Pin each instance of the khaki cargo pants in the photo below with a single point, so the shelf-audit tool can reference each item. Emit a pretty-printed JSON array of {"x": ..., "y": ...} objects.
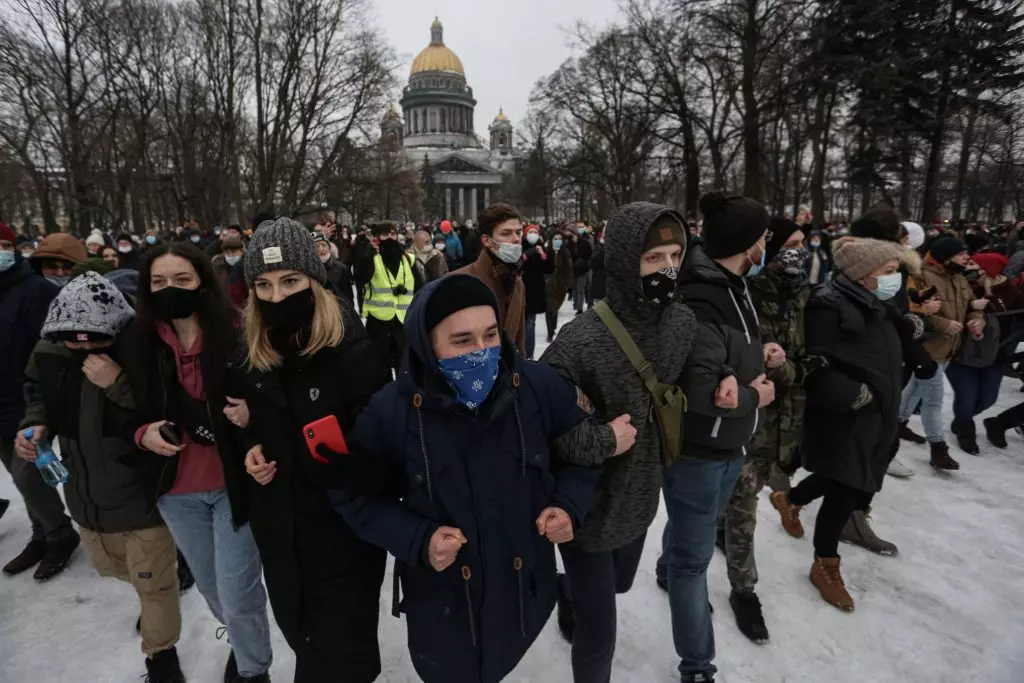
[{"x": 147, "y": 559}]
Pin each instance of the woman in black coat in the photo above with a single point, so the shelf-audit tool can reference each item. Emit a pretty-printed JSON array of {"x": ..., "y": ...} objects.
[
  {"x": 537, "y": 265},
  {"x": 309, "y": 364},
  {"x": 850, "y": 432}
]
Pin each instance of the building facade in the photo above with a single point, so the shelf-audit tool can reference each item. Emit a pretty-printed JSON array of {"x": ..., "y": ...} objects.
[{"x": 437, "y": 127}]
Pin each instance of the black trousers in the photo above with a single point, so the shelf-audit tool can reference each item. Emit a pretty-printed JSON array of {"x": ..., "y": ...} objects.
[
  {"x": 1011, "y": 417},
  {"x": 838, "y": 503},
  {"x": 594, "y": 579},
  {"x": 388, "y": 338}
]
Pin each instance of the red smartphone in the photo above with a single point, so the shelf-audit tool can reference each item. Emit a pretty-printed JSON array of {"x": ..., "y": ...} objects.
[{"x": 325, "y": 431}]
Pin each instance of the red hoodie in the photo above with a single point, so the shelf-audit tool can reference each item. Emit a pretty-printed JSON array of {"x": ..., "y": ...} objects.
[{"x": 199, "y": 467}]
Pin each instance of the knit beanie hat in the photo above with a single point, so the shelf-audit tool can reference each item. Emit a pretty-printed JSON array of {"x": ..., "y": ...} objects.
[
  {"x": 6, "y": 234},
  {"x": 915, "y": 233},
  {"x": 666, "y": 229},
  {"x": 945, "y": 248},
  {"x": 456, "y": 292},
  {"x": 282, "y": 244},
  {"x": 89, "y": 308},
  {"x": 319, "y": 237},
  {"x": 858, "y": 257},
  {"x": 94, "y": 238},
  {"x": 880, "y": 223},
  {"x": 732, "y": 224},
  {"x": 782, "y": 229}
]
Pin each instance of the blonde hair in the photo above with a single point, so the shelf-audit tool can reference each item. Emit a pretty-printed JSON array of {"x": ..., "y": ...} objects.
[{"x": 328, "y": 328}]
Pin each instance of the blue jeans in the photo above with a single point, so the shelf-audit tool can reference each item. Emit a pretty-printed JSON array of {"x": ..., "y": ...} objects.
[
  {"x": 531, "y": 335},
  {"x": 227, "y": 569},
  {"x": 929, "y": 392},
  {"x": 975, "y": 390},
  {"x": 697, "y": 491}
]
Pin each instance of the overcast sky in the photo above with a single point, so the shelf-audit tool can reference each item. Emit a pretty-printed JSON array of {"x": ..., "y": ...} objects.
[{"x": 504, "y": 45}]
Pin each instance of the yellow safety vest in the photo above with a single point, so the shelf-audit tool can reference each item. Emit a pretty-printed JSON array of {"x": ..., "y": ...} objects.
[{"x": 380, "y": 299}]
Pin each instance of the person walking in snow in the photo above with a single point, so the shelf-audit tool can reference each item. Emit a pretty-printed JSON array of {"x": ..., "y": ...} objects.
[
  {"x": 310, "y": 367},
  {"x": 852, "y": 413},
  {"x": 430, "y": 255},
  {"x": 645, "y": 245},
  {"x": 78, "y": 395},
  {"x": 185, "y": 378},
  {"x": 538, "y": 264},
  {"x": 25, "y": 298},
  {"x": 467, "y": 484},
  {"x": 453, "y": 252}
]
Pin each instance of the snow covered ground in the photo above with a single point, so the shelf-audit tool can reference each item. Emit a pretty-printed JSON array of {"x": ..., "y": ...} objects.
[{"x": 949, "y": 608}]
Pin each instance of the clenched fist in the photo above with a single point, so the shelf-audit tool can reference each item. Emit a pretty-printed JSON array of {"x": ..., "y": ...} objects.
[
  {"x": 555, "y": 524},
  {"x": 444, "y": 547},
  {"x": 625, "y": 433}
]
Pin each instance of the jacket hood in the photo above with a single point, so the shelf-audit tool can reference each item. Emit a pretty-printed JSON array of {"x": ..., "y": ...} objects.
[
  {"x": 624, "y": 240},
  {"x": 60, "y": 245},
  {"x": 89, "y": 303},
  {"x": 419, "y": 367}
]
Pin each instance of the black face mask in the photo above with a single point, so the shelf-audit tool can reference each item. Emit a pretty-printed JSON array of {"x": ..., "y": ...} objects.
[
  {"x": 81, "y": 354},
  {"x": 286, "y": 318},
  {"x": 972, "y": 275},
  {"x": 176, "y": 303},
  {"x": 953, "y": 267},
  {"x": 660, "y": 287}
]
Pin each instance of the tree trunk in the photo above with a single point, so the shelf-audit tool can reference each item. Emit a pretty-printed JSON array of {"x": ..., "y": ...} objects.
[
  {"x": 906, "y": 171},
  {"x": 751, "y": 113},
  {"x": 819, "y": 144},
  {"x": 965, "y": 158}
]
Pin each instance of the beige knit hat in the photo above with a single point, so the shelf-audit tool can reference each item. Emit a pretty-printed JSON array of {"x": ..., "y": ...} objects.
[{"x": 858, "y": 257}]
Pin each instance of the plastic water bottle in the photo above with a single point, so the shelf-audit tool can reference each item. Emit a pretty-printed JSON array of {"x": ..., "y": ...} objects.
[{"x": 49, "y": 465}]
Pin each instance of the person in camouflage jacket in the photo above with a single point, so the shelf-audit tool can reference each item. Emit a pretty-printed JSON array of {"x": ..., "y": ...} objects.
[{"x": 780, "y": 294}]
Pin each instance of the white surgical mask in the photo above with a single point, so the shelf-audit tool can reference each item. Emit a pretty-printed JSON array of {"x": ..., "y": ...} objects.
[
  {"x": 533, "y": 238},
  {"x": 509, "y": 253},
  {"x": 125, "y": 250},
  {"x": 27, "y": 254},
  {"x": 232, "y": 260},
  {"x": 439, "y": 246},
  {"x": 888, "y": 286},
  {"x": 194, "y": 239}
]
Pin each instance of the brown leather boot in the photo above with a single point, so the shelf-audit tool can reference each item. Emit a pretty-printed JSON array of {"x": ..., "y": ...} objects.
[
  {"x": 789, "y": 513},
  {"x": 826, "y": 578},
  {"x": 941, "y": 459},
  {"x": 908, "y": 434}
]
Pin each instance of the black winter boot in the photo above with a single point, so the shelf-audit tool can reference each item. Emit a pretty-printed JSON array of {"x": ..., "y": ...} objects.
[
  {"x": 163, "y": 667},
  {"x": 55, "y": 560},
  {"x": 28, "y": 558},
  {"x": 995, "y": 432},
  {"x": 747, "y": 608},
  {"x": 231, "y": 674},
  {"x": 566, "y": 617},
  {"x": 966, "y": 436},
  {"x": 941, "y": 459},
  {"x": 185, "y": 578}
]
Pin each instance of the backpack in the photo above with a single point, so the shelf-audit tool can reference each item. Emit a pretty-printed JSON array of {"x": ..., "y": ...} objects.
[{"x": 668, "y": 402}]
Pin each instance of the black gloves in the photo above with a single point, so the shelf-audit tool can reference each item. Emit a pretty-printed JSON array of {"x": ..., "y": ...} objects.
[{"x": 926, "y": 370}]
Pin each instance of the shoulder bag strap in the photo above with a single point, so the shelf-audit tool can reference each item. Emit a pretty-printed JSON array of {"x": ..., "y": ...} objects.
[{"x": 629, "y": 347}]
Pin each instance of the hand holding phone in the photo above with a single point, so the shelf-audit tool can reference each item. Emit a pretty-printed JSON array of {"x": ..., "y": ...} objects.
[{"x": 325, "y": 439}]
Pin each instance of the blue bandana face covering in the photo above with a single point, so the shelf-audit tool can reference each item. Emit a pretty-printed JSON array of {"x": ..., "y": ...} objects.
[{"x": 472, "y": 375}]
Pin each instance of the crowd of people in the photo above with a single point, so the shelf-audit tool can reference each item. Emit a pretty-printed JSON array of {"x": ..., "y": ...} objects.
[{"x": 271, "y": 411}]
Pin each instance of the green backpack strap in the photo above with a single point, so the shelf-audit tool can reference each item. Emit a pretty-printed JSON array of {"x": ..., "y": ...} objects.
[{"x": 629, "y": 347}]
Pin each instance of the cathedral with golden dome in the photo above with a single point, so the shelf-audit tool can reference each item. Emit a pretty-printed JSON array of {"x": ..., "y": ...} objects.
[{"x": 437, "y": 126}]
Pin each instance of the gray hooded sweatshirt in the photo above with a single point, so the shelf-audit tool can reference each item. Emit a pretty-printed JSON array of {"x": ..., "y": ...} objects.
[{"x": 586, "y": 351}]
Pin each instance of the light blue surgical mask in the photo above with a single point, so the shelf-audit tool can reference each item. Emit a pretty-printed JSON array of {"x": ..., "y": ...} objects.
[
  {"x": 6, "y": 260},
  {"x": 194, "y": 239},
  {"x": 888, "y": 286},
  {"x": 581, "y": 231},
  {"x": 756, "y": 268},
  {"x": 232, "y": 260},
  {"x": 472, "y": 375},
  {"x": 533, "y": 238},
  {"x": 556, "y": 244},
  {"x": 151, "y": 239}
]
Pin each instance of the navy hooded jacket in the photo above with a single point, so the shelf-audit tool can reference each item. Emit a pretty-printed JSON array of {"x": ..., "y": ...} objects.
[{"x": 486, "y": 474}]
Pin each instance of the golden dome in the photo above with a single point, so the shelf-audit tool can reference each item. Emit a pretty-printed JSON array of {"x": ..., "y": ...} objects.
[
  {"x": 436, "y": 56},
  {"x": 501, "y": 118}
]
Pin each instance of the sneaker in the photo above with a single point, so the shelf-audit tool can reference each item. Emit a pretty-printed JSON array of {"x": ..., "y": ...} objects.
[
  {"x": 566, "y": 617},
  {"x": 858, "y": 531},
  {"x": 163, "y": 667},
  {"x": 56, "y": 558},
  {"x": 28, "y": 558},
  {"x": 826, "y": 578},
  {"x": 995, "y": 433},
  {"x": 907, "y": 434},
  {"x": 789, "y": 513},
  {"x": 747, "y": 609},
  {"x": 897, "y": 468},
  {"x": 4, "y": 504},
  {"x": 941, "y": 459}
]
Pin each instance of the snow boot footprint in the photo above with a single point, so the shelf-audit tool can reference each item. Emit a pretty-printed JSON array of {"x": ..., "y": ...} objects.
[
  {"x": 941, "y": 459},
  {"x": 749, "y": 619}
]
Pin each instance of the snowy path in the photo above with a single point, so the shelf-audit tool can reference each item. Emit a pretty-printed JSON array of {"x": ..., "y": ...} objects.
[{"x": 949, "y": 608}]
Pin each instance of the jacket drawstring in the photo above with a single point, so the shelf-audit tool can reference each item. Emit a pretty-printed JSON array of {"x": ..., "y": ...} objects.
[
  {"x": 519, "y": 426},
  {"x": 739, "y": 312},
  {"x": 417, "y": 402},
  {"x": 467, "y": 574},
  {"x": 517, "y": 564}
]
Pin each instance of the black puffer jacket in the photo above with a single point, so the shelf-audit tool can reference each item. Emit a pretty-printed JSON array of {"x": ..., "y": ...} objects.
[
  {"x": 585, "y": 350},
  {"x": 728, "y": 344},
  {"x": 850, "y": 433}
]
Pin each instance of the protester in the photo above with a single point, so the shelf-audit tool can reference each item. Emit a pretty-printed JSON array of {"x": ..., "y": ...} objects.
[
  {"x": 599, "y": 272},
  {"x": 128, "y": 257},
  {"x": 581, "y": 249},
  {"x": 453, "y": 252},
  {"x": 187, "y": 346},
  {"x": 306, "y": 366},
  {"x": 25, "y": 298},
  {"x": 78, "y": 395},
  {"x": 538, "y": 264},
  {"x": 471, "y": 517},
  {"x": 780, "y": 294},
  {"x": 960, "y": 313},
  {"x": 56, "y": 255},
  {"x": 851, "y": 425},
  {"x": 94, "y": 243},
  {"x": 557, "y": 284},
  {"x": 499, "y": 265},
  {"x": 338, "y": 273},
  {"x": 431, "y": 256},
  {"x": 230, "y": 270},
  {"x": 646, "y": 244},
  {"x": 725, "y": 386},
  {"x": 819, "y": 266}
]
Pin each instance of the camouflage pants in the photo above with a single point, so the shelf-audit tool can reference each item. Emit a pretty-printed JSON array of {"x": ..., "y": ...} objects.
[{"x": 736, "y": 525}]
